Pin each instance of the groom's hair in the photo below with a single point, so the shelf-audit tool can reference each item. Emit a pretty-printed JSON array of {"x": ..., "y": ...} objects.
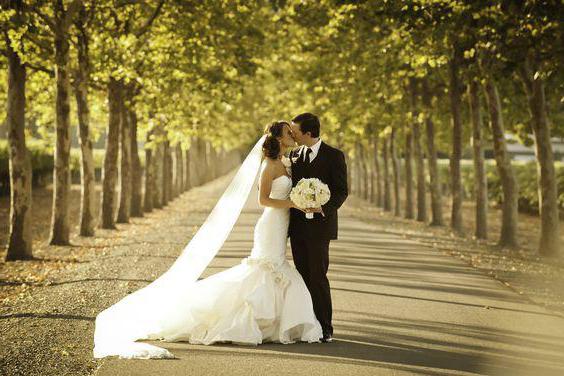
[{"x": 308, "y": 122}]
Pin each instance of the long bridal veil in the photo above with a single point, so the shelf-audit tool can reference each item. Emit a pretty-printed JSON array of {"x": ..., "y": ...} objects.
[{"x": 145, "y": 313}]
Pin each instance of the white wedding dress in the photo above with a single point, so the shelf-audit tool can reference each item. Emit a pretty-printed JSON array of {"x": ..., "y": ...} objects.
[{"x": 262, "y": 299}]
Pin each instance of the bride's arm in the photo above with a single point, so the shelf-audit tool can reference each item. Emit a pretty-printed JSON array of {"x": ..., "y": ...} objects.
[{"x": 266, "y": 180}]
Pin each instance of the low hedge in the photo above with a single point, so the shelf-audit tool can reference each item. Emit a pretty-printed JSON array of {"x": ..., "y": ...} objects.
[
  {"x": 42, "y": 163},
  {"x": 525, "y": 174}
]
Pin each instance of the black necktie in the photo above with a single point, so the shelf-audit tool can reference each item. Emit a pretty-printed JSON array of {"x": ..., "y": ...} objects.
[{"x": 308, "y": 152}]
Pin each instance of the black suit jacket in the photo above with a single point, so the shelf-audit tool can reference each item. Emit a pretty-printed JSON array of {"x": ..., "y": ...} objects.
[{"x": 328, "y": 166}]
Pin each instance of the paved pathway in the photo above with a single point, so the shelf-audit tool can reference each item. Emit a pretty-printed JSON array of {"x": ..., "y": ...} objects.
[{"x": 400, "y": 308}]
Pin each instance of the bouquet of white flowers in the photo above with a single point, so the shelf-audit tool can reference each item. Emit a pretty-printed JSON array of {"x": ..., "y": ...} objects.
[{"x": 310, "y": 193}]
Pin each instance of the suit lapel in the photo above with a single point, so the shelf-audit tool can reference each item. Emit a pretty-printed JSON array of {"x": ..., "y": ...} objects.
[
  {"x": 303, "y": 169},
  {"x": 297, "y": 166},
  {"x": 319, "y": 155}
]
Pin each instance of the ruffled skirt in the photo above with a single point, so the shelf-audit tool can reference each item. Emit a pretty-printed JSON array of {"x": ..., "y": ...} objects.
[{"x": 254, "y": 302}]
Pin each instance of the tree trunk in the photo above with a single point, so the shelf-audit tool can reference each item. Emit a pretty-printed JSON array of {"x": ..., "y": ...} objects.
[
  {"x": 204, "y": 157},
  {"x": 350, "y": 166},
  {"x": 179, "y": 156},
  {"x": 365, "y": 176},
  {"x": 187, "y": 172},
  {"x": 124, "y": 210},
  {"x": 435, "y": 184},
  {"x": 136, "y": 169},
  {"x": 174, "y": 173},
  {"x": 419, "y": 164},
  {"x": 177, "y": 172},
  {"x": 508, "y": 236},
  {"x": 193, "y": 165},
  {"x": 167, "y": 173},
  {"x": 149, "y": 177},
  {"x": 386, "y": 179},
  {"x": 110, "y": 173},
  {"x": 210, "y": 162},
  {"x": 20, "y": 239},
  {"x": 158, "y": 187},
  {"x": 480, "y": 180},
  {"x": 88, "y": 183},
  {"x": 455, "y": 106},
  {"x": 378, "y": 175},
  {"x": 396, "y": 172},
  {"x": 409, "y": 212},
  {"x": 198, "y": 163},
  {"x": 372, "y": 175},
  {"x": 549, "y": 243},
  {"x": 60, "y": 228},
  {"x": 357, "y": 173}
]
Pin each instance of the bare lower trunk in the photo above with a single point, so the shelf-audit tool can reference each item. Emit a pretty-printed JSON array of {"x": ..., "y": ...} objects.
[
  {"x": 187, "y": 182},
  {"x": 158, "y": 201},
  {"x": 348, "y": 162},
  {"x": 167, "y": 173},
  {"x": 409, "y": 212},
  {"x": 20, "y": 239},
  {"x": 418, "y": 151},
  {"x": 198, "y": 159},
  {"x": 396, "y": 172},
  {"x": 420, "y": 170},
  {"x": 376, "y": 186},
  {"x": 203, "y": 161},
  {"x": 364, "y": 170},
  {"x": 377, "y": 180},
  {"x": 87, "y": 186},
  {"x": 480, "y": 182},
  {"x": 110, "y": 172},
  {"x": 174, "y": 174},
  {"x": 124, "y": 210},
  {"x": 179, "y": 169},
  {"x": 455, "y": 107},
  {"x": 211, "y": 159},
  {"x": 60, "y": 227},
  {"x": 387, "y": 198},
  {"x": 194, "y": 175},
  {"x": 508, "y": 236},
  {"x": 193, "y": 152},
  {"x": 136, "y": 169},
  {"x": 435, "y": 185},
  {"x": 549, "y": 242},
  {"x": 357, "y": 189},
  {"x": 149, "y": 177}
]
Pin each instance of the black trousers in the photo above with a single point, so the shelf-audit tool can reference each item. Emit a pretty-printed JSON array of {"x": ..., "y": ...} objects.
[{"x": 311, "y": 257}]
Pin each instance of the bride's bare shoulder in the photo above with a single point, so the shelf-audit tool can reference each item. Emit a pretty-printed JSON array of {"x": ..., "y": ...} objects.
[{"x": 269, "y": 168}]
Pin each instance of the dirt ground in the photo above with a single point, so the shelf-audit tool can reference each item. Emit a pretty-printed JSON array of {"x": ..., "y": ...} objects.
[{"x": 49, "y": 304}]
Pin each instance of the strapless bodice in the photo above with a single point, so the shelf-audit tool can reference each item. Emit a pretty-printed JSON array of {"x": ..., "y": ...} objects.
[{"x": 281, "y": 187}]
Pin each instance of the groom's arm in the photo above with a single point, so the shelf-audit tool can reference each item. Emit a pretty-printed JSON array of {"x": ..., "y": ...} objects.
[{"x": 339, "y": 186}]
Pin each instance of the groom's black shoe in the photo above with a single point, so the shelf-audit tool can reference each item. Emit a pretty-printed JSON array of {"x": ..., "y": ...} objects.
[{"x": 327, "y": 338}]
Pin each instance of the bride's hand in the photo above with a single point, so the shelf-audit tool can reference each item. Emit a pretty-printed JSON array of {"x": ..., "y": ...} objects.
[{"x": 294, "y": 206}]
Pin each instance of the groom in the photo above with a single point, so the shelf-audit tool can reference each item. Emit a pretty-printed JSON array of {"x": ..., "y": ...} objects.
[{"x": 310, "y": 238}]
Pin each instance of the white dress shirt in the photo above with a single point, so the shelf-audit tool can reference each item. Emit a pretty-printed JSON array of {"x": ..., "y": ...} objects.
[{"x": 314, "y": 150}]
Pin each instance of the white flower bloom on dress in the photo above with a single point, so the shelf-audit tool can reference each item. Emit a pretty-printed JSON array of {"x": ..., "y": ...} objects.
[
  {"x": 287, "y": 163},
  {"x": 262, "y": 262}
]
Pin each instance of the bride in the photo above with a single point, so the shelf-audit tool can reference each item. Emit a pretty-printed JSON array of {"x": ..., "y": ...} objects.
[{"x": 263, "y": 299}]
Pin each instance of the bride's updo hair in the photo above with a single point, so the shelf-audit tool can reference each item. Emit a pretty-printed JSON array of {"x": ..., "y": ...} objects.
[{"x": 271, "y": 145}]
